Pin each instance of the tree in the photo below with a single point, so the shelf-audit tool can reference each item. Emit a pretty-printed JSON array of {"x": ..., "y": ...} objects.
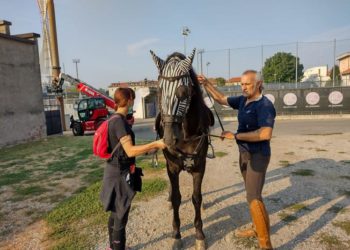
[
  {"x": 337, "y": 73},
  {"x": 220, "y": 81},
  {"x": 103, "y": 91},
  {"x": 281, "y": 68}
]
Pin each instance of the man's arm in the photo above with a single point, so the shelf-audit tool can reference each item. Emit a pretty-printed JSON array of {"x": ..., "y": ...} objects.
[
  {"x": 261, "y": 134},
  {"x": 216, "y": 94}
]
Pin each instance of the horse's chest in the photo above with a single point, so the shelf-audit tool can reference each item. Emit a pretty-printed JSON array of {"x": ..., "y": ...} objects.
[{"x": 183, "y": 162}]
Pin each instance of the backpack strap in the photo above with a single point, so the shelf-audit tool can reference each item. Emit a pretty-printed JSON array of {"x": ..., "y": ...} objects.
[
  {"x": 118, "y": 145},
  {"x": 115, "y": 149}
]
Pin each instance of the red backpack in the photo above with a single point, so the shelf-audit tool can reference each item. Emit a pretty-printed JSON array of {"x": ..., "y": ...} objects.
[{"x": 100, "y": 142}]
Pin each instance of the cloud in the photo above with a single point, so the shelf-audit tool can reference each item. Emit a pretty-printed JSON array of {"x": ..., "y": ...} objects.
[{"x": 134, "y": 48}]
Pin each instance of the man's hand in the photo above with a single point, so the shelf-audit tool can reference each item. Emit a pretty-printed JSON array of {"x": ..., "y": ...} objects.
[
  {"x": 202, "y": 80},
  {"x": 227, "y": 135}
]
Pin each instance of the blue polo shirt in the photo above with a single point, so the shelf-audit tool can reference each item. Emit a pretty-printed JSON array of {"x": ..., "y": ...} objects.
[{"x": 256, "y": 114}]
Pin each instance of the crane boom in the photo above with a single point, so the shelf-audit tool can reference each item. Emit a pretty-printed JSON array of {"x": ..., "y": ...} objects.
[{"x": 87, "y": 89}]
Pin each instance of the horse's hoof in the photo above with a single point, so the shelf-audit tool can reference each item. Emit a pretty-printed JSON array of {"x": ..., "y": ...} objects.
[
  {"x": 177, "y": 245},
  {"x": 200, "y": 245}
]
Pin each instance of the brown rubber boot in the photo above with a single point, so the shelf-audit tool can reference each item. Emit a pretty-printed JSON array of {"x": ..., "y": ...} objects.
[
  {"x": 261, "y": 223},
  {"x": 245, "y": 233}
]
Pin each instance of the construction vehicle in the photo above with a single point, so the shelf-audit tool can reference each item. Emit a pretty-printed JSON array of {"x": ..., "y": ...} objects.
[{"x": 91, "y": 111}]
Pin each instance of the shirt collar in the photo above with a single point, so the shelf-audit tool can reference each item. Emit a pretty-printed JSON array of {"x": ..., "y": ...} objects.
[{"x": 256, "y": 99}]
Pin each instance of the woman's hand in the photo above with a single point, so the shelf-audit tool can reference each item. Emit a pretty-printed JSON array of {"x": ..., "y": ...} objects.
[
  {"x": 228, "y": 135},
  {"x": 153, "y": 151},
  {"x": 160, "y": 144}
]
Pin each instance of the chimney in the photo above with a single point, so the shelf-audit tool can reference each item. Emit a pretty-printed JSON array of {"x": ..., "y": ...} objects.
[{"x": 5, "y": 27}]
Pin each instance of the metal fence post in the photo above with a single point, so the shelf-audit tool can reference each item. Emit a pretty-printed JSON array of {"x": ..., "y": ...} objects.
[
  {"x": 229, "y": 64},
  {"x": 334, "y": 51}
]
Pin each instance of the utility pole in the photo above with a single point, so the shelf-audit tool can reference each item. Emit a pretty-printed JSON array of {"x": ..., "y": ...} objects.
[
  {"x": 55, "y": 62},
  {"x": 208, "y": 63},
  {"x": 262, "y": 60},
  {"x": 76, "y": 61},
  {"x": 229, "y": 64},
  {"x": 296, "y": 65},
  {"x": 201, "y": 51},
  {"x": 334, "y": 51},
  {"x": 185, "y": 32}
]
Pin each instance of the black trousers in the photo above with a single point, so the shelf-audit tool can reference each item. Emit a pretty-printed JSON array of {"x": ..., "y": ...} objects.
[
  {"x": 116, "y": 230},
  {"x": 253, "y": 168}
]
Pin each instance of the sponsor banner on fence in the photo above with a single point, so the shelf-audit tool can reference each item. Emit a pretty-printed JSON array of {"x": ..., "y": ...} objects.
[{"x": 304, "y": 101}]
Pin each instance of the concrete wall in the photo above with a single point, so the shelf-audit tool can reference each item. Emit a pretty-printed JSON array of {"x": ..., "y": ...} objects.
[{"x": 21, "y": 103}]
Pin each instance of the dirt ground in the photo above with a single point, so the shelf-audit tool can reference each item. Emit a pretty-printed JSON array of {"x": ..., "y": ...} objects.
[{"x": 307, "y": 194}]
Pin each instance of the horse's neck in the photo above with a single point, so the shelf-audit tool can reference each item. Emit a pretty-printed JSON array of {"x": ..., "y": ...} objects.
[{"x": 193, "y": 122}]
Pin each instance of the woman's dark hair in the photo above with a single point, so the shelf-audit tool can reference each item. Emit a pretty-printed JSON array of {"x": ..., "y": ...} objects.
[
  {"x": 122, "y": 96},
  {"x": 132, "y": 93}
]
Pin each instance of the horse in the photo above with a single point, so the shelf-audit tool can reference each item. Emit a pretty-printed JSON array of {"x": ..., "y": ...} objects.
[{"x": 183, "y": 122}]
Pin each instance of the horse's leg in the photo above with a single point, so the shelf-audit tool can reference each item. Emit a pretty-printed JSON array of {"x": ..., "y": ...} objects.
[
  {"x": 197, "y": 202},
  {"x": 175, "y": 201}
]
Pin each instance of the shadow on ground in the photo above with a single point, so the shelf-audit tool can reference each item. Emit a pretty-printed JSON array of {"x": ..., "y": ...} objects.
[{"x": 321, "y": 181}]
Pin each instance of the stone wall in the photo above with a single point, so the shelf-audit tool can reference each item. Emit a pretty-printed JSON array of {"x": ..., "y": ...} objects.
[{"x": 21, "y": 103}]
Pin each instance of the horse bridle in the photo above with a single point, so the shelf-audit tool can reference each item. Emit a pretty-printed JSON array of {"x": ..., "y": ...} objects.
[{"x": 173, "y": 78}]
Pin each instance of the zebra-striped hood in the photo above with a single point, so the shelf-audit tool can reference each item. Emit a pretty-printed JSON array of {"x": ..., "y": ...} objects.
[{"x": 174, "y": 84}]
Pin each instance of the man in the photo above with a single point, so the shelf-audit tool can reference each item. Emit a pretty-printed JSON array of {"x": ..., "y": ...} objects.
[{"x": 256, "y": 116}]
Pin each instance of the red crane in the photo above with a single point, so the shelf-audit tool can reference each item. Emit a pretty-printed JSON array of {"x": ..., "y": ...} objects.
[{"x": 91, "y": 111}]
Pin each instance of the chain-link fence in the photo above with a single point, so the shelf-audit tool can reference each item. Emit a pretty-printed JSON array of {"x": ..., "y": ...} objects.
[{"x": 318, "y": 58}]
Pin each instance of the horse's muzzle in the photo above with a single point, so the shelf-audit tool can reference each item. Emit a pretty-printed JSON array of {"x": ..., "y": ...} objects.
[{"x": 172, "y": 133}]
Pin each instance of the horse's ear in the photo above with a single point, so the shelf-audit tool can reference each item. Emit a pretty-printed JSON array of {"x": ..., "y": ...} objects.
[
  {"x": 159, "y": 62},
  {"x": 187, "y": 63}
]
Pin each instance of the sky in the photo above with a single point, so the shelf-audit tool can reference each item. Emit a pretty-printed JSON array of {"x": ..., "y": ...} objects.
[{"x": 112, "y": 38}]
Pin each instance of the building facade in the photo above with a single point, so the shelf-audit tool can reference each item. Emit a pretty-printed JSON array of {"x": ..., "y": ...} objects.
[
  {"x": 21, "y": 104},
  {"x": 318, "y": 74},
  {"x": 344, "y": 68},
  {"x": 145, "y": 104}
]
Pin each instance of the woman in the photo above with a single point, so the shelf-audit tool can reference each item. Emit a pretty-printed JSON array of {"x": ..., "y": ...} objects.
[{"x": 117, "y": 194}]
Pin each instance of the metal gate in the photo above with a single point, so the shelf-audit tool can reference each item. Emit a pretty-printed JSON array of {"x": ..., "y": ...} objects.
[{"x": 52, "y": 115}]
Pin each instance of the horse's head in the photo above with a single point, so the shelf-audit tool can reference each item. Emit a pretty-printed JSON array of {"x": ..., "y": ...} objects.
[{"x": 175, "y": 92}]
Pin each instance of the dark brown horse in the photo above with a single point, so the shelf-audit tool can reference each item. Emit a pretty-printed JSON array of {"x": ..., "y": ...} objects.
[{"x": 183, "y": 122}]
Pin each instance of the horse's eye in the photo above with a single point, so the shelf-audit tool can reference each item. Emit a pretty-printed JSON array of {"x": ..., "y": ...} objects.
[{"x": 182, "y": 92}]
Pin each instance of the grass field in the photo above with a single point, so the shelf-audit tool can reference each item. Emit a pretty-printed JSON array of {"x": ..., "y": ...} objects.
[{"x": 58, "y": 179}]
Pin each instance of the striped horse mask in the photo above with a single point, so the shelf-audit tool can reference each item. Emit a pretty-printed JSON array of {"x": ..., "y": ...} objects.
[{"x": 175, "y": 92}]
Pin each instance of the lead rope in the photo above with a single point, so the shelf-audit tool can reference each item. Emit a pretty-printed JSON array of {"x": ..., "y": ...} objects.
[
  {"x": 155, "y": 156},
  {"x": 217, "y": 115}
]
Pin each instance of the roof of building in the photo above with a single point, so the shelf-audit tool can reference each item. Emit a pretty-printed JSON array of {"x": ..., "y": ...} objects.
[
  {"x": 346, "y": 72},
  {"x": 134, "y": 84},
  {"x": 24, "y": 38},
  {"x": 346, "y": 54},
  {"x": 118, "y": 84},
  {"x": 235, "y": 79}
]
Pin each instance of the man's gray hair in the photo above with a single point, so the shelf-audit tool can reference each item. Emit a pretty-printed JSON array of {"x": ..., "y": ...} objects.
[
  {"x": 257, "y": 73},
  {"x": 259, "y": 77}
]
